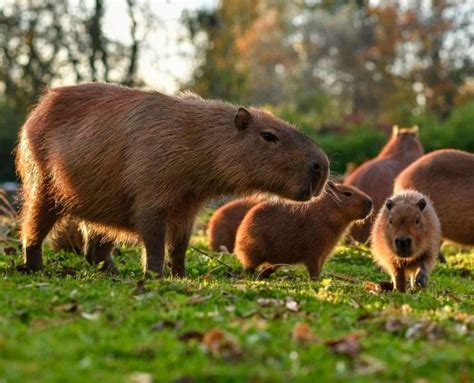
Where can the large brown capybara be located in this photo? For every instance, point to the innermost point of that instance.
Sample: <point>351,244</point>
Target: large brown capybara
<point>224,223</point>
<point>138,165</point>
<point>272,234</point>
<point>406,238</point>
<point>73,236</point>
<point>447,178</point>
<point>376,177</point>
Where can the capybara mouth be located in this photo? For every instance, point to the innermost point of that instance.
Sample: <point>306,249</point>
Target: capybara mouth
<point>403,253</point>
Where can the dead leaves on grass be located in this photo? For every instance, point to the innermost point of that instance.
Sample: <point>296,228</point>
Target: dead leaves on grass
<point>348,345</point>
<point>302,333</point>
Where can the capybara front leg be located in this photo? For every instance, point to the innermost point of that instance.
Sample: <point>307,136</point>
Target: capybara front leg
<point>153,236</point>
<point>39,217</point>
<point>421,278</point>
<point>178,240</point>
<point>399,280</point>
<point>98,251</point>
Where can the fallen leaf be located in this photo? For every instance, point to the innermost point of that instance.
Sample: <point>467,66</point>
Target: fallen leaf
<point>67,307</point>
<point>425,329</point>
<point>291,305</point>
<point>373,287</point>
<point>189,335</point>
<point>349,345</point>
<point>91,316</point>
<point>367,365</point>
<point>393,324</point>
<point>302,333</point>
<point>140,377</point>
<point>221,345</point>
<point>195,299</point>
<point>264,302</point>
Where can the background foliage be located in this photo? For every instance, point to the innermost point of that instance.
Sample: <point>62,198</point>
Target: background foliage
<point>342,70</point>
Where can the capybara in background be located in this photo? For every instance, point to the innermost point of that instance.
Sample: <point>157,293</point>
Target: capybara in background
<point>74,236</point>
<point>224,223</point>
<point>447,178</point>
<point>272,234</point>
<point>376,177</point>
<point>406,238</point>
<point>139,164</point>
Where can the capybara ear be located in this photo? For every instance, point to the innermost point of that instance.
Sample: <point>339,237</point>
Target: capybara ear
<point>242,118</point>
<point>421,204</point>
<point>395,130</point>
<point>389,204</point>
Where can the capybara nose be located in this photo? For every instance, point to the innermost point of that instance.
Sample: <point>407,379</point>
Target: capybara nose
<point>368,204</point>
<point>403,245</point>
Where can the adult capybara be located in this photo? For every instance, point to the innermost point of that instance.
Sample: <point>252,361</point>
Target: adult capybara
<point>272,234</point>
<point>406,238</point>
<point>376,177</point>
<point>139,164</point>
<point>447,178</point>
<point>224,223</point>
<point>77,237</point>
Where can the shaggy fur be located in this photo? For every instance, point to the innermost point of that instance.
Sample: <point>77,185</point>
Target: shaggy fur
<point>447,178</point>
<point>407,215</point>
<point>376,177</point>
<point>288,233</point>
<point>136,164</point>
<point>225,221</point>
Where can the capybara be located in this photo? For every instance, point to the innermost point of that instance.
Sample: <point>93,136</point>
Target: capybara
<point>447,178</point>
<point>224,223</point>
<point>139,164</point>
<point>406,238</point>
<point>376,176</point>
<point>272,234</point>
<point>74,236</point>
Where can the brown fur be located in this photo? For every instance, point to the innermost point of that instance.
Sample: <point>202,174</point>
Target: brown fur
<point>407,215</point>
<point>137,164</point>
<point>447,178</point>
<point>225,221</point>
<point>288,233</point>
<point>376,176</point>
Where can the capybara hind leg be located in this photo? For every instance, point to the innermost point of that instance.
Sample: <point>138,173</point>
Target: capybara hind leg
<point>178,240</point>
<point>314,269</point>
<point>399,280</point>
<point>153,237</point>
<point>39,217</point>
<point>98,251</point>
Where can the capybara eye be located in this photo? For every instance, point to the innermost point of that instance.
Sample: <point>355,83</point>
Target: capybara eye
<point>270,137</point>
<point>417,221</point>
<point>347,193</point>
<point>390,221</point>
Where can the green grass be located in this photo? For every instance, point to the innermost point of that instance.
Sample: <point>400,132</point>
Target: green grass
<point>69,323</point>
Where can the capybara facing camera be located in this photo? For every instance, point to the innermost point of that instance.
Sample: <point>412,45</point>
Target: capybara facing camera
<point>138,164</point>
<point>406,238</point>
<point>272,233</point>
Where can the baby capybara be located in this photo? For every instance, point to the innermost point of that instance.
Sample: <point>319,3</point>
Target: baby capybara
<point>73,236</point>
<point>376,177</point>
<point>406,238</point>
<point>139,164</point>
<point>447,178</point>
<point>224,223</point>
<point>272,234</point>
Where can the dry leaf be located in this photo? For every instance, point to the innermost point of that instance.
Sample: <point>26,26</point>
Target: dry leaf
<point>264,302</point>
<point>349,345</point>
<point>195,299</point>
<point>140,377</point>
<point>161,325</point>
<point>393,324</point>
<point>366,365</point>
<point>67,307</point>
<point>291,305</point>
<point>91,316</point>
<point>373,287</point>
<point>189,335</point>
<point>302,333</point>
<point>221,344</point>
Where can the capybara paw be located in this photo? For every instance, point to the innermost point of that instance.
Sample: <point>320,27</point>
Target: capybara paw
<point>386,285</point>
<point>421,280</point>
<point>27,268</point>
<point>178,272</point>
<point>110,268</point>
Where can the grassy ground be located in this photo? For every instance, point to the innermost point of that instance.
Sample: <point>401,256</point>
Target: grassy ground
<point>69,323</point>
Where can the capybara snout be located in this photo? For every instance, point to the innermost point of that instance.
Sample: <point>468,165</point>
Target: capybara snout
<point>403,246</point>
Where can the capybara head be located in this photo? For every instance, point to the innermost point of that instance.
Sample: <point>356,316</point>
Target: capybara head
<point>354,203</point>
<point>407,223</point>
<point>407,138</point>
<point>278,158</point>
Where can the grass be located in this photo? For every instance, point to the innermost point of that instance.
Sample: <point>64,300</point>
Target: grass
<point>70,323</point>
